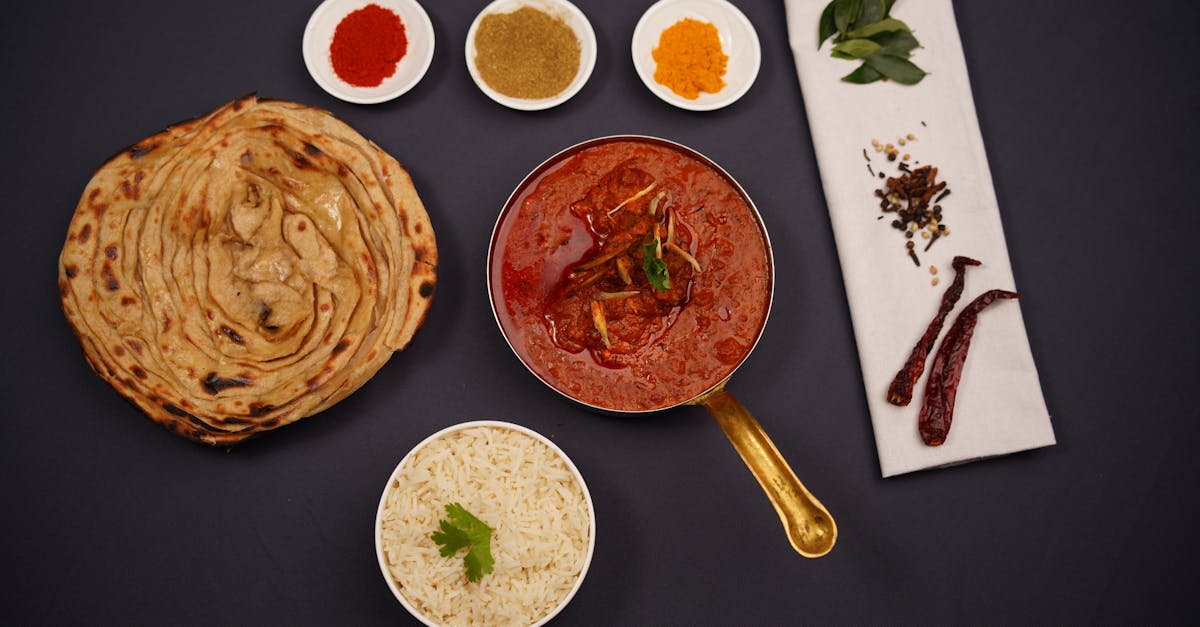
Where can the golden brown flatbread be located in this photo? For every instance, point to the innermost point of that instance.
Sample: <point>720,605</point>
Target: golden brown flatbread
<point>243,270</point>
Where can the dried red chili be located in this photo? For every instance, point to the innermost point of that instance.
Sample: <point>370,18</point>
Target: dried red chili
<point>367,45</point>
<point>937,410</point>
<point>900,391</point>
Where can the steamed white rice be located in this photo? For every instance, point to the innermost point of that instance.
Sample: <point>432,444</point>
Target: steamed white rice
<point>519,487</point>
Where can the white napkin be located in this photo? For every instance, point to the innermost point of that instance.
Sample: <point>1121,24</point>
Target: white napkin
<point>999,408</point>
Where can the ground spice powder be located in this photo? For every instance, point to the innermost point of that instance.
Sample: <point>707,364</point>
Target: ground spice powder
<point>367,45</point>
<point>690,59</point>
<point>526,53</point>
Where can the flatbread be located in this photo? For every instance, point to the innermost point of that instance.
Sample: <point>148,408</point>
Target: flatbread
<point>246,269</point>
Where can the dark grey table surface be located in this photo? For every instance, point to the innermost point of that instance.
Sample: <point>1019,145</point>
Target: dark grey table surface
<point>1088,112</point>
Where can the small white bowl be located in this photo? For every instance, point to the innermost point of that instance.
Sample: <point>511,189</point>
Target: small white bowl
<point>318,36</point>
<point>587,496</point>
<point>561,9</point>
<point>738,40</point>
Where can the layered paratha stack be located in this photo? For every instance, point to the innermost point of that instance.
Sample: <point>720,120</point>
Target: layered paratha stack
<point>243,270</point>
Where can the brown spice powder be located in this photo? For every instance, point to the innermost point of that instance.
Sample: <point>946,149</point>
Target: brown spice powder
<point>526,53</point>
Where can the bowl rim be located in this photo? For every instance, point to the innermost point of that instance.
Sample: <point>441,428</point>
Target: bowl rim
<point>497,424</point>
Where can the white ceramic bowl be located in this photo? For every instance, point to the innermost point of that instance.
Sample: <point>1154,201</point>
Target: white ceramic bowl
<point>562,9</point>
<point>738,40</point>
<point>591,523</point>
<point>318,36</point>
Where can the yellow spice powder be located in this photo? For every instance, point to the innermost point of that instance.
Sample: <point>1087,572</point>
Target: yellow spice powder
<point>690,59</point>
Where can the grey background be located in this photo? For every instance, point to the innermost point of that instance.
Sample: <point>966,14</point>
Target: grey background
<point>1088,111</point>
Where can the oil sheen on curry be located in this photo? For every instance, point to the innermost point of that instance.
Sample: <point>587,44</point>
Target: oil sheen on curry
<point>631,275</point>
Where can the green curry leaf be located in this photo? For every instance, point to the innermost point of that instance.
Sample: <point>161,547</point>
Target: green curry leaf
<point>827,27</point>
<point>872,11</point>
<point>857,48</point>
<point>896,68</point>
<point>899,43</point>
<point>888,25</point>
<point>864,29</point>
<point>845,12</point>
<point>863,75</point>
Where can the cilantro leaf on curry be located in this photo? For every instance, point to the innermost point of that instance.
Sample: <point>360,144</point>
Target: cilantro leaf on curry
<point>464,530</point>
<point>654,266</point>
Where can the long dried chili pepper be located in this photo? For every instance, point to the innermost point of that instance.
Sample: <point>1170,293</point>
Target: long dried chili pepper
<point>901,389</point>
<point>937,409</point>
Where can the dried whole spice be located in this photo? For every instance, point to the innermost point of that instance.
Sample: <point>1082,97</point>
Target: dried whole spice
<point>526,54</point>
<point>690,59</point>
<point>913,196</point>
<point>937,409</point>
<point>900,391</point>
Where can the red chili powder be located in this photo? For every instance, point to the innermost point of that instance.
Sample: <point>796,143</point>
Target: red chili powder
<point>367,45</point>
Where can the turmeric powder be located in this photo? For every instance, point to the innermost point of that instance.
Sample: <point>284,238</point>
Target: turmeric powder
<point>690,59</point>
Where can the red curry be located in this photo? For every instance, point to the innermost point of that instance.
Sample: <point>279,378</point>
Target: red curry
<point>630,275</point>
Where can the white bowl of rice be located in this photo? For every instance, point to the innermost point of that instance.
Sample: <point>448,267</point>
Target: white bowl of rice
<point>518,483</point>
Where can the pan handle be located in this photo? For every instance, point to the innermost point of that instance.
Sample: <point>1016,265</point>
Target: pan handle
<point>808,525</point>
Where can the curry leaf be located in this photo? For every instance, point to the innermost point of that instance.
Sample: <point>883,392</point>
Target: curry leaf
<point>827,28</point>
<point>872,11</point>
<point>888,25</point>
<point>863,75</point>
<point>899,43</point>
<point>863,29</point>
<point>896,68</point>
<point>845,12</point>
<point>857,48</point>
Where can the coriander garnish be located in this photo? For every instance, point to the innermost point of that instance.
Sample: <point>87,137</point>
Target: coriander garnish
<point>465,530</point>
<point>863,29</point>
<point>654,266</point>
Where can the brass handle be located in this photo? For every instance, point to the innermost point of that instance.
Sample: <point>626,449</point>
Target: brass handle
<point>808,525</point>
